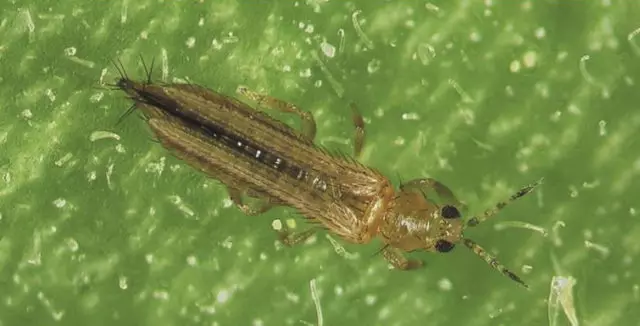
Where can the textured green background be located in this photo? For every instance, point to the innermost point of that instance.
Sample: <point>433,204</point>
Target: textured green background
<point>485,96</point>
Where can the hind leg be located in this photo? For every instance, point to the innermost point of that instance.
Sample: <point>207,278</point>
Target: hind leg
<point>236,197</point>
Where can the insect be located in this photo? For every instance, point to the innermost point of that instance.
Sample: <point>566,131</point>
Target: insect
<point>256,156</point>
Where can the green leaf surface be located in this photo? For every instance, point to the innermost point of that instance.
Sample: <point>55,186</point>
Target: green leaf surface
<point>99,225</point>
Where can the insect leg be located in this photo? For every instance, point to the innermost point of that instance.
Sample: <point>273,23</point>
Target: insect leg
<point>427,184</point>
<point>492,211</point>
<point>308,123</point>
<point>236,196</point>
<point>359,136</point>
<point>399,261</point>
<point>289,238</point>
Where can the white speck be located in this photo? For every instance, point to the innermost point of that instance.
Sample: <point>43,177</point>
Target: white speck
<point>373,66</point>
<point>431,7</point>
<point>217,45</point>
<point>426,52</point>
<point>540,32</point>
<point>201,21</point>
<point>191,42</point>
<point>542,89</point>
<point>276,225</point>
<point>603,128</point>
<point>514,66</point>
<point>97,135</point>
<point>410,116</point>
<point>230,38</point>
<point>530,59</point>
<point>223,296</point>
<point>50,94</point>
<point>63,160</point>
<point>257,322</point>
<point>465,97</point>
<point>122,283</point>
<point>161,295</point>
<point>370,299</point>
<point>227,202</point>
<point>227,243</point>
<point>263,256</point>
<point>148,258</point>
<point>305,73</point>
<point>562,56</point>
<point>475,37</point>
<point>72,244</point>
<point>328,49</point>
<point>209,310</point>
<point>27,114</point>
<point>292,297</point>
<point>509,90</point>
<point>309,29</point>
<point>192,260</point>
<point>338,290</point>
<point>604,251</point>
<point>573,191</point>
<point>70,51</point>
<point>59,203</point>
<point>574,109</point>
<point>97,97</point>
<point>445,284</point>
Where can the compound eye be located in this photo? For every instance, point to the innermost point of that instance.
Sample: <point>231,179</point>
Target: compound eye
<point>444,246</point>
<point>449,211</point>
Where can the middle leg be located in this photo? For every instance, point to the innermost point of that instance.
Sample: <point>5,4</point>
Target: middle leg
<point>308,123</point>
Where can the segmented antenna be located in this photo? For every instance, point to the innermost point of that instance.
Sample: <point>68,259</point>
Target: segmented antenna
<point>149,71</point>
<point>475,220</point>
<point>492,261</point>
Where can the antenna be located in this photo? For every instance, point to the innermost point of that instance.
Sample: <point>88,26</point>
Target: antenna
<point>475,220</point>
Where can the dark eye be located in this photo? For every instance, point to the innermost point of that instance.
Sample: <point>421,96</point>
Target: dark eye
<point>444,246</point>
<point>449,211</point>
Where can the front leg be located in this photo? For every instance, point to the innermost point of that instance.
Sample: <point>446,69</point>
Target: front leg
<point>398,260</point>
<point>425,184</point>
